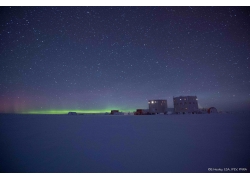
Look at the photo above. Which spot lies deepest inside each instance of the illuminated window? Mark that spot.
(152, 102)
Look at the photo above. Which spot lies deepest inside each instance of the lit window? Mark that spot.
(180, 99)
(152, 102)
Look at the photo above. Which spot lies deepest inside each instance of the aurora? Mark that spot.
(65, 111)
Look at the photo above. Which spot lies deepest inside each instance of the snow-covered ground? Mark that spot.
(104, 143)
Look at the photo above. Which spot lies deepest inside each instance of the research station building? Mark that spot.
(185, 104)
(157, 106)
(212, 110)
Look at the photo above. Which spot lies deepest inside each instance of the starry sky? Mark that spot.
(94, 59)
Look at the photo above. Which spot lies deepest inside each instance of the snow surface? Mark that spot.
(105, 143)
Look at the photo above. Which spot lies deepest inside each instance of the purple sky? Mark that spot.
(94, 58)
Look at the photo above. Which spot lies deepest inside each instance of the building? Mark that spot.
(212, 110)
(72, 113)
(170, 110)
(141, 112)
(203, 111)
(116, 112)
(157, 106)
(185, 104)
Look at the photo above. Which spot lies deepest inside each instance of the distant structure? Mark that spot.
(203, 111)
(185, 104)
(157, 106)
(212, 110)
(72, 113)
(116, 112)
(170, 110)
(141, 112)
(129, 113)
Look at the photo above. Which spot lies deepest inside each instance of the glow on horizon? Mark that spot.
(65, 111)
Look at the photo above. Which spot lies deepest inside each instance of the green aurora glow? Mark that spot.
(65, 111)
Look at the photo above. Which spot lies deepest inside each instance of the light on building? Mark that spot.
(152, 102)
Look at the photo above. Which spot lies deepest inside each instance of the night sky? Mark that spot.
(94, 59)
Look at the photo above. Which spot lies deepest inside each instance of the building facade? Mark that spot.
(185, 104)
(157, 106)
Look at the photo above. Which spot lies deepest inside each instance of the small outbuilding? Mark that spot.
(115, 112)
(141, 112)
(212, 110)
(203, 111)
